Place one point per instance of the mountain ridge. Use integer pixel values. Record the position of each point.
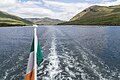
(44, 21)
(97, 15)
(7, 19)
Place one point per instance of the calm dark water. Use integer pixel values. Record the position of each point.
(70, 52)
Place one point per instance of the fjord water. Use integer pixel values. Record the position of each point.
(70, 52)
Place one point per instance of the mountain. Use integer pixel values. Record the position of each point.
(97, 15)
(12, 20)
(44, 21)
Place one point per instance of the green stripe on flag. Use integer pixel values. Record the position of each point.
(39, 53)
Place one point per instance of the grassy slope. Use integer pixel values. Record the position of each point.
(47, 23)
(97, 15)
(44, 21)
(11, 20)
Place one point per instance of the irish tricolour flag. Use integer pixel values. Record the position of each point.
(30, 73)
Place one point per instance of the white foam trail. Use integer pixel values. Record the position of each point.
(6, 74)
(92, 66)
(53, 67)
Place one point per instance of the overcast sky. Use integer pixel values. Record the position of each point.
(58, 9)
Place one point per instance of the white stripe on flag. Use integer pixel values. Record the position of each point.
(30, 65)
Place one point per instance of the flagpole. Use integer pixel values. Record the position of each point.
(35, 52)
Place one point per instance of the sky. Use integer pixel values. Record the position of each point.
(57, 9)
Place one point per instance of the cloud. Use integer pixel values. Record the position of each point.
(65, 6)
(6, 5)
(7, 2)
(25, 9)
(33, 9)
(65, 10)
(110, 3)
(34, 12)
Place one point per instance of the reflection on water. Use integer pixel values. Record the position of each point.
(70, 52)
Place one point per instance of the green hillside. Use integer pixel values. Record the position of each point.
(97, 15)
(11, 20)
(45, 21)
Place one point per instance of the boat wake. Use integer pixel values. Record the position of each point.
(72, 61)
(53, 67)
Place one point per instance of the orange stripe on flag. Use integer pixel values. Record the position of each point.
(30, 76)
(30, 68)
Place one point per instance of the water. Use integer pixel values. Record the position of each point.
(70, 52)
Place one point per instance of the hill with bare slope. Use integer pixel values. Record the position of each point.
(97, 15)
